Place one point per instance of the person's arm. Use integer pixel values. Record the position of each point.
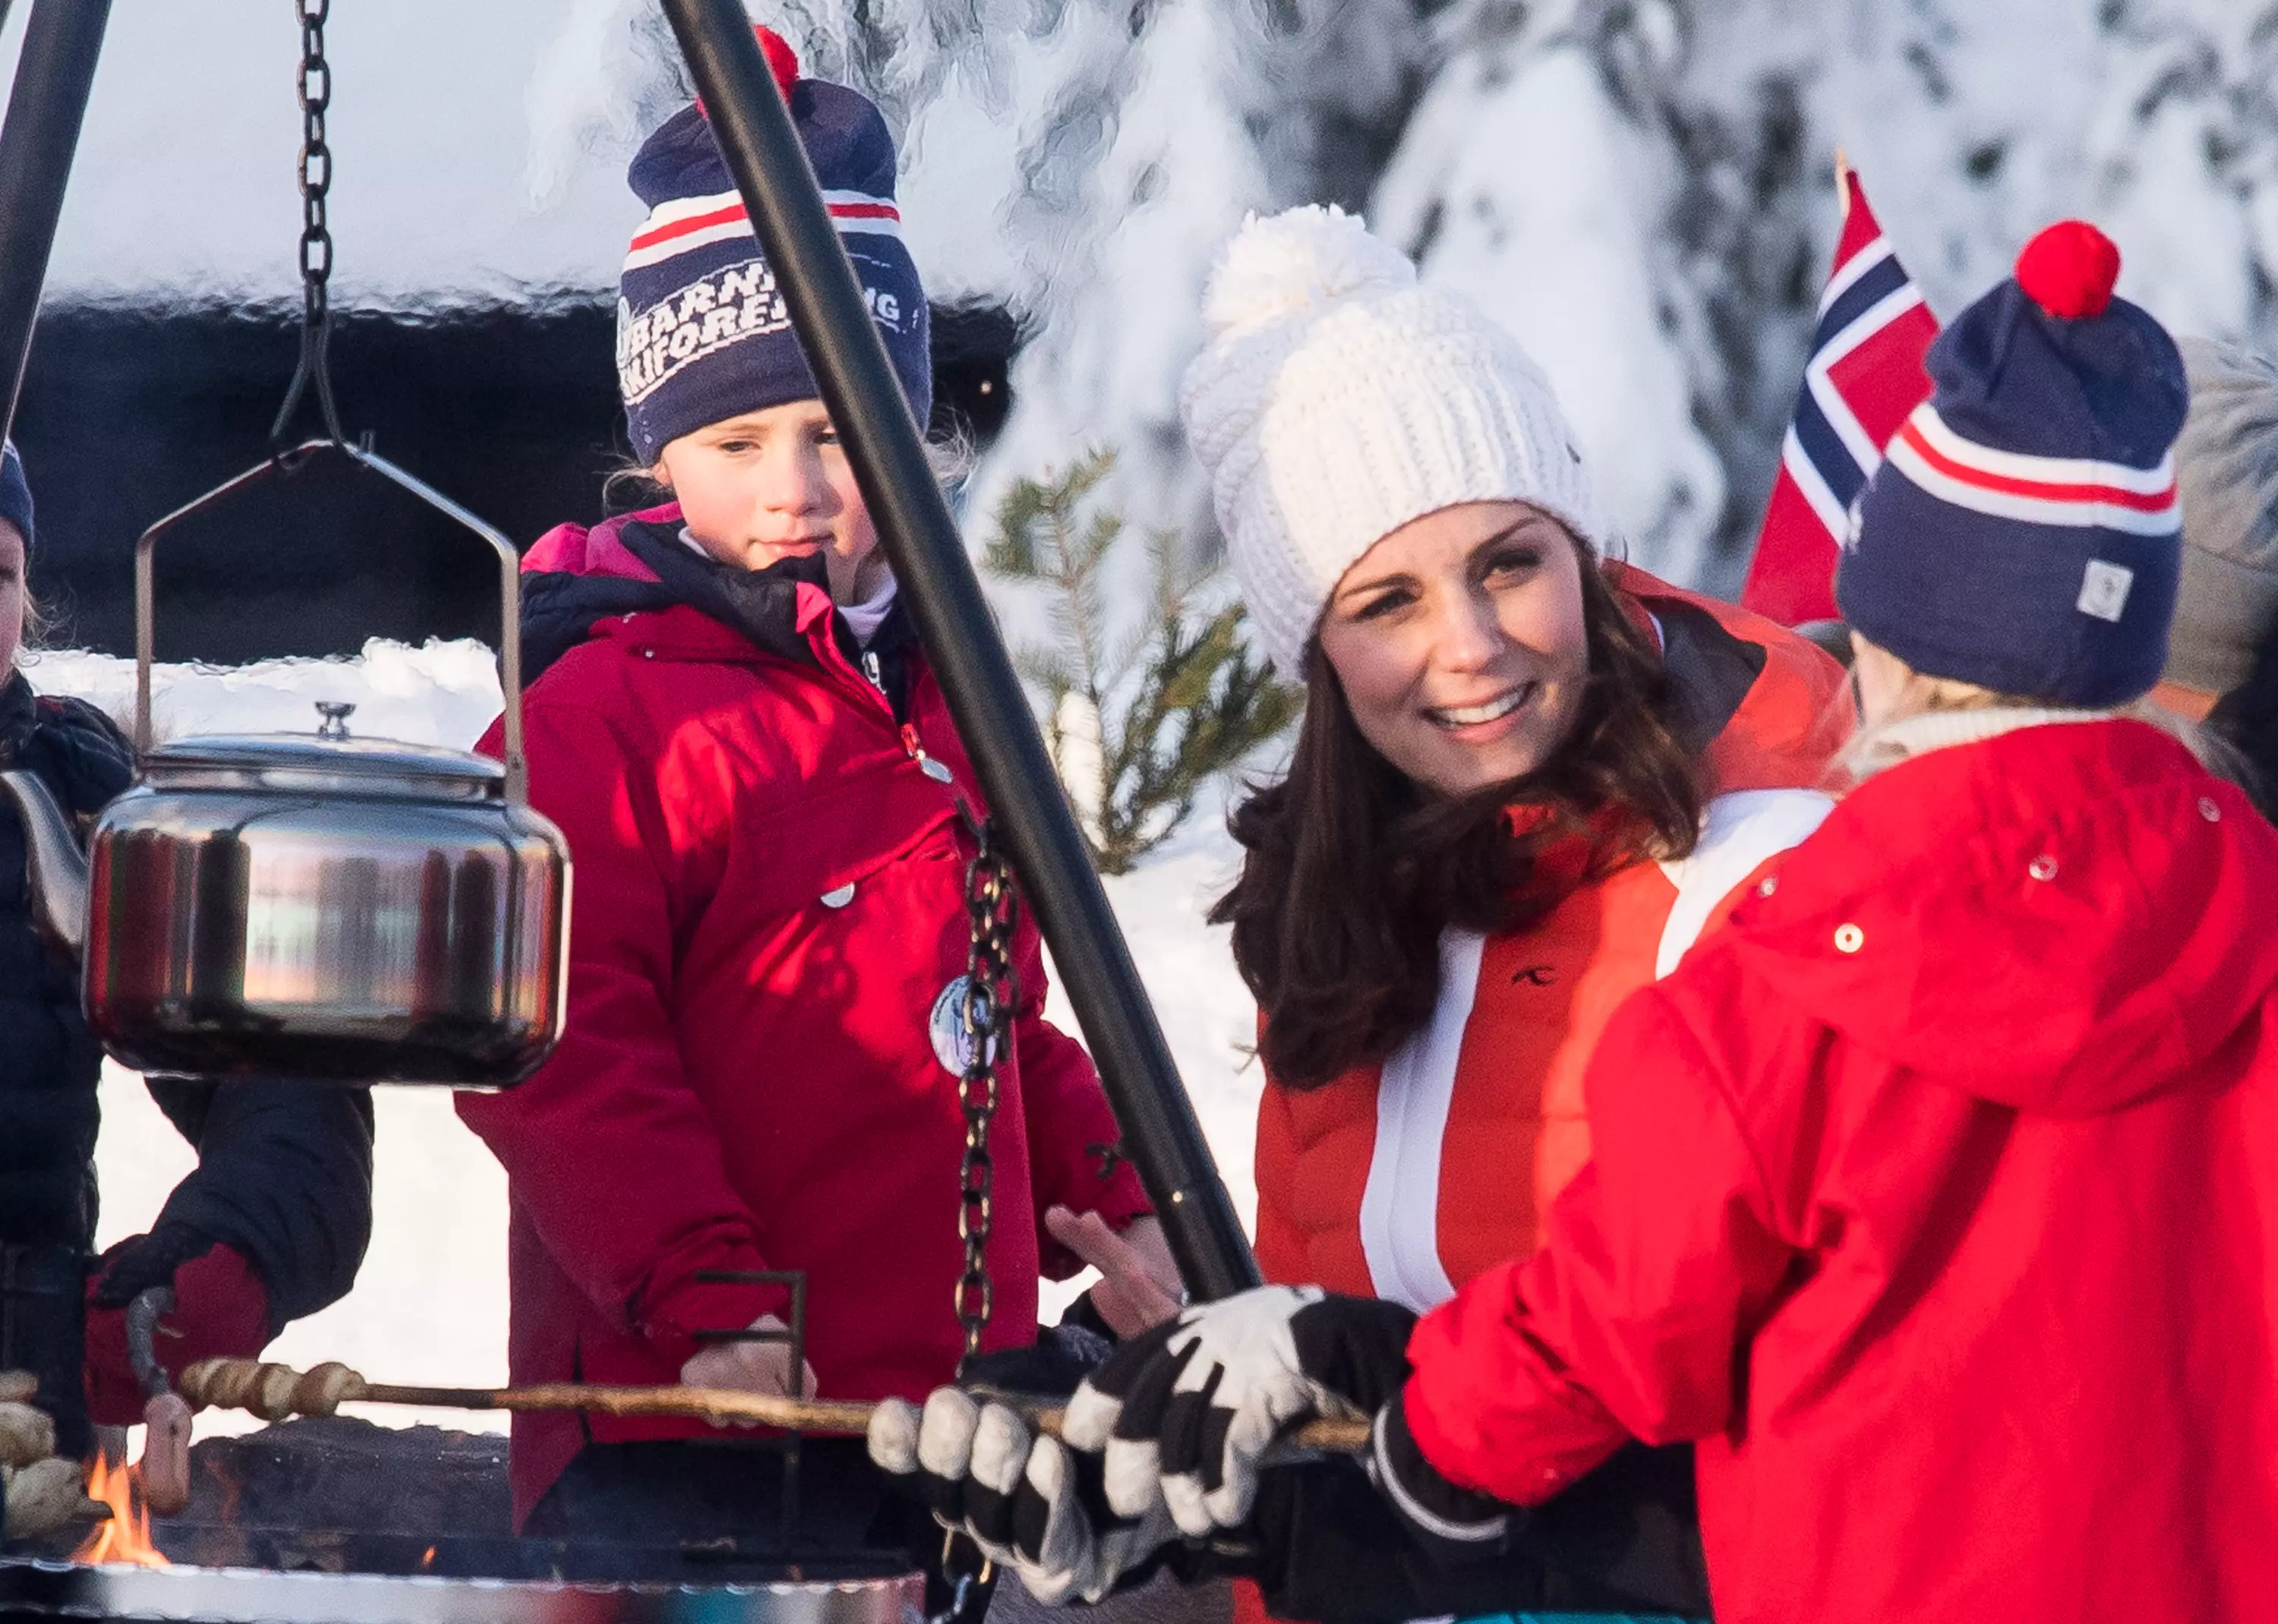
(271, 1226)
(608, 1149)
(284, 1177)
(1280, 1242)
(1657, 1264)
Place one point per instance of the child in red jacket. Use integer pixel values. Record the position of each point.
(1936, 1198)
(767, 809)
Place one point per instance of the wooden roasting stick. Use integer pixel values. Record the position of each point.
(276, 1392)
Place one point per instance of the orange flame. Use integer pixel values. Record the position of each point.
(126, 1536)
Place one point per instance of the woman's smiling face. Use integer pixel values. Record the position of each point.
(1461, 644)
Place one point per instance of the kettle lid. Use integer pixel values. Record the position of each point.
(313, 761)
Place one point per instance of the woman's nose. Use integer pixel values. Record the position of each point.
(1468, 634)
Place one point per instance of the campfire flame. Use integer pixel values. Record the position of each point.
(126, 1536)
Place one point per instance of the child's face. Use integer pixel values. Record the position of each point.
(773, 484)
(12, 595)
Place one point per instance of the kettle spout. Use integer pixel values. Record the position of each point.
(55, 865)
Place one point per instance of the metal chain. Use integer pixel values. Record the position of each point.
(315, 91)
(991, 992)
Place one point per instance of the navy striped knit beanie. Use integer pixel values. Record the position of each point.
(16, 494)
(2022, 533)
(703, 333)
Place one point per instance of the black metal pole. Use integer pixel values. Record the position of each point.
(1160, 1133)
(54, 74)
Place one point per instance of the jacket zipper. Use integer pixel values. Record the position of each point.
(912, 744)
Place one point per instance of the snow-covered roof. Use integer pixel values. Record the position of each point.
(186, 182)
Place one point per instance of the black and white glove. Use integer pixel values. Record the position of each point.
(1030, 1504)
(1183, 1414)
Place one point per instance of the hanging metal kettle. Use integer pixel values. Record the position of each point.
(315, 905)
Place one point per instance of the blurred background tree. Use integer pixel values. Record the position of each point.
(1142, 711)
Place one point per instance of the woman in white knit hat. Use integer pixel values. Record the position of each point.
(1529, 777)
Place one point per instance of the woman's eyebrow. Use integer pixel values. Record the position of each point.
(1400, 577)
(1509, 532)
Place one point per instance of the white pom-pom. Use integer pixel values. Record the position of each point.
(1295, 261)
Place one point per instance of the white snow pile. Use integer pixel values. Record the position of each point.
(430, 1306)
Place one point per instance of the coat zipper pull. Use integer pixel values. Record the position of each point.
(937, 771)
(871, 669)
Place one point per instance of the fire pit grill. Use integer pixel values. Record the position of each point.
(257, 1595)
(340, 1521)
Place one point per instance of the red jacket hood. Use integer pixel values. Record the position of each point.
(2129, 887)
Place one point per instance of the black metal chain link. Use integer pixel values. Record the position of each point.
(991, 992)
(315, 92)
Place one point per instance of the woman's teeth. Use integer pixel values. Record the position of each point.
(1472, 715)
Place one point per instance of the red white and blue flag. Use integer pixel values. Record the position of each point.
(1864, 376)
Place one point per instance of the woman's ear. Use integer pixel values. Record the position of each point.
(660, 474)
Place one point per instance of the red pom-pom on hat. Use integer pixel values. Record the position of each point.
(783, 61)
(2068, 270)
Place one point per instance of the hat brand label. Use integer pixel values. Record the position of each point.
(693, 321)
(2104, 590)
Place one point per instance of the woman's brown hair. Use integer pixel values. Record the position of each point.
(1352, 872)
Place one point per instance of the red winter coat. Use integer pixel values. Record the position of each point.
(1938, 1198)
(768, 903)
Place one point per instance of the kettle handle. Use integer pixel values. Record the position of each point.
(146, 634)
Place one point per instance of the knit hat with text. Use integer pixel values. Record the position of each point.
(1337, 400)
(702, 331)
(15, 493)
(2024, 532)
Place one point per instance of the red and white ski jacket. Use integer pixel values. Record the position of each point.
(1936, 1200)
(766, 923)
(1404, 1180)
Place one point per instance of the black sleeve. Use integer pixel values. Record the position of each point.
(283, 1175)
(1324, 1544)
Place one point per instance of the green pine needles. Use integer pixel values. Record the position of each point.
(1141, 712)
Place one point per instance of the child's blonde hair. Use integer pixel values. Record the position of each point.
(1879, 745)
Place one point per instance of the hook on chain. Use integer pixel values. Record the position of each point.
(315, 170)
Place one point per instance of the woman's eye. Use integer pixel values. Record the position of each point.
(737, 448)
(826, 437)
(1384, 604)
(1514, 560)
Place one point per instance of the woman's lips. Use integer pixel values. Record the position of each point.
(1464, 719)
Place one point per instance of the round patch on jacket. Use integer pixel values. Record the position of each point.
(951, 1045)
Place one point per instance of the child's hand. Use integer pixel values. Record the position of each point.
(749, 1367)
(1139, 1284)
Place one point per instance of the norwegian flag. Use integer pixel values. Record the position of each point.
(1864, 376)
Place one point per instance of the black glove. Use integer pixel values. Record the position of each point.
(1325, 1543)
(1184, 1413)
(1453, 1524)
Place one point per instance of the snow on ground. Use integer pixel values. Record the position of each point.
(430, 1306)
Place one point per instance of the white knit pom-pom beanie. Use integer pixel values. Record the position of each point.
(1337, 400)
